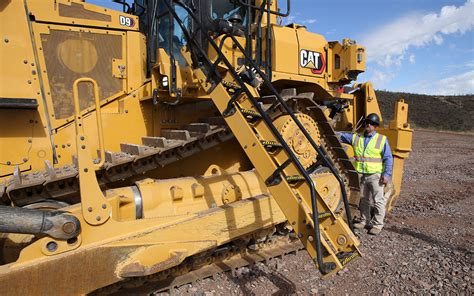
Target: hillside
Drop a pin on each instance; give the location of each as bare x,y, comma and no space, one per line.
455,113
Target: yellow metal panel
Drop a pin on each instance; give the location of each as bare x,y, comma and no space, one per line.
136,60
310,47
81,13
18,71
285,51
24,133
100,260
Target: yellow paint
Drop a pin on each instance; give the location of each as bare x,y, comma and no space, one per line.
181,216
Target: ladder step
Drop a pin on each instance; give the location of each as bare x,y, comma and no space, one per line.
271,145
294,179
324,215
250,115
345,258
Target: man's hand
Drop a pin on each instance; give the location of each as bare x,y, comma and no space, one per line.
384,180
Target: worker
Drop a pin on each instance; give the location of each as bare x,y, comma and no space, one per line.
373,161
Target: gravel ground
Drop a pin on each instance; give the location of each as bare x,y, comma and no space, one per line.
425,248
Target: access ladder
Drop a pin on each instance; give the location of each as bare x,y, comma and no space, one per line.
326,236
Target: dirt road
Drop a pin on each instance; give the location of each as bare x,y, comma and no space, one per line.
425,248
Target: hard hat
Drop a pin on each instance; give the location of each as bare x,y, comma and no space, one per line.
373,118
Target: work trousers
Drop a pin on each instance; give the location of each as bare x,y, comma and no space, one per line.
371,193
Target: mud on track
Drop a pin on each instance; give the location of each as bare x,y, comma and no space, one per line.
425,248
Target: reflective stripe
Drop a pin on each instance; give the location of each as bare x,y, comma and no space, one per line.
379,141
368,156
367,159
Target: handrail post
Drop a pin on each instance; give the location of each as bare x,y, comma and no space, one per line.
96,210
77,109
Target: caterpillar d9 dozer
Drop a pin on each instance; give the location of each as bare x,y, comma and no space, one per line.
173,139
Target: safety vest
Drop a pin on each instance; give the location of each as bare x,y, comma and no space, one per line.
368,160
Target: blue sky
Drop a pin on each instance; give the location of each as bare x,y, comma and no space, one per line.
418,46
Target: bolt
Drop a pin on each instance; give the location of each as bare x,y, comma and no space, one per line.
104,206
25,159
86,170
83,146
25,62
89,209
29,81
69,227
310,238
300,235
52,246
82,138
341,240
98,218
6,40
9,163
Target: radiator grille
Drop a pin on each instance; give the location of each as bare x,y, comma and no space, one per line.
70,55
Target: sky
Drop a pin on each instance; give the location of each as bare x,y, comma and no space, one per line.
417,46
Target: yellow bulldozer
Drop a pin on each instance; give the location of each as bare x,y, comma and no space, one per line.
174,138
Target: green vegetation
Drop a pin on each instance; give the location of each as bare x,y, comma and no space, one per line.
450,113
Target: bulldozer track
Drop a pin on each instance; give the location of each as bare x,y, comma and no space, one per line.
133,160
155,152
329,140
227,258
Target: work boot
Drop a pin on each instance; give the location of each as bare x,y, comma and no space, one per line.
359,225
375,230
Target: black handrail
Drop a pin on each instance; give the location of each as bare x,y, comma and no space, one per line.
324,267
287,13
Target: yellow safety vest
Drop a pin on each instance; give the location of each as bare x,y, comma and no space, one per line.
368,160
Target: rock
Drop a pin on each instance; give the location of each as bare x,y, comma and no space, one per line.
314,291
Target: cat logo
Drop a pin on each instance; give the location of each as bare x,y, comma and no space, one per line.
313,60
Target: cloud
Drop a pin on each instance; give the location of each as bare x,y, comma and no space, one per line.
459,84
381,78
309,21
388,45
412,59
